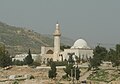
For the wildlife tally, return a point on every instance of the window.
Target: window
(49, 52)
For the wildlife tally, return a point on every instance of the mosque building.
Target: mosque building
(79, 49)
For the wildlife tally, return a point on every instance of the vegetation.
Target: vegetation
(5, 59)
(52, 72)
(99, 75)
(70, 59)
(78, 59)
(102, 54)
(103, 75)
(15, 82)
(18, 62)
(17, 38)
(67, 70)
(70, 70)
(28, 60)
(116, 56)
(77, 73)
(64, 47)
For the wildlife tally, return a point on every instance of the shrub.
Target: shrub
(15, 82)
(18, 62)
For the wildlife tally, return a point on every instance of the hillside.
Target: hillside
(19, 40)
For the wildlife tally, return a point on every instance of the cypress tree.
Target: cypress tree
(52, 72)
(5, 59)
(28, 60)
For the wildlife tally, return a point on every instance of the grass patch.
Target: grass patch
(104, 76)
(100, 75)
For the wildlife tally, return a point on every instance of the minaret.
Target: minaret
(56, 35)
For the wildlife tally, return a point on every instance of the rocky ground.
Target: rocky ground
(40, 75)
(29, 75)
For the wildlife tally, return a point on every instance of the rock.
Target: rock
(12, 77)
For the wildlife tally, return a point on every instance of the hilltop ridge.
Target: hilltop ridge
(19, 40)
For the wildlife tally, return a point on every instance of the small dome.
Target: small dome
(80, 43)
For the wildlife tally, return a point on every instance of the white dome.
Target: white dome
(80, 43)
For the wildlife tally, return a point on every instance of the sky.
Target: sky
(96, 21)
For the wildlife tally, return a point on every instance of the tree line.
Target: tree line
(6, 59)
(102, 54)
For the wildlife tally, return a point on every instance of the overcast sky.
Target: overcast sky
(96, 21)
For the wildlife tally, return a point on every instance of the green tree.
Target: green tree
(64, 47)
(94, 62)
(28, 59)
(50, 75)
(67, 70)
(17, 62)
(77, 73)
(70, 59)
(116, 59)
(100, 54)
(77, 59)
(72, 72)
(52, 72)
(69, 66)
(5, 59)
(112, 55)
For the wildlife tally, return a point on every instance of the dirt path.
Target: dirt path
(84, 77)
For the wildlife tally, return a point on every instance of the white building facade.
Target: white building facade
(80, 48)
(21, 57)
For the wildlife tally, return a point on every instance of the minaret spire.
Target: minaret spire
(56, 35)
(57, 30)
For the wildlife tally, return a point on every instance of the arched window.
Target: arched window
(49, 52)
